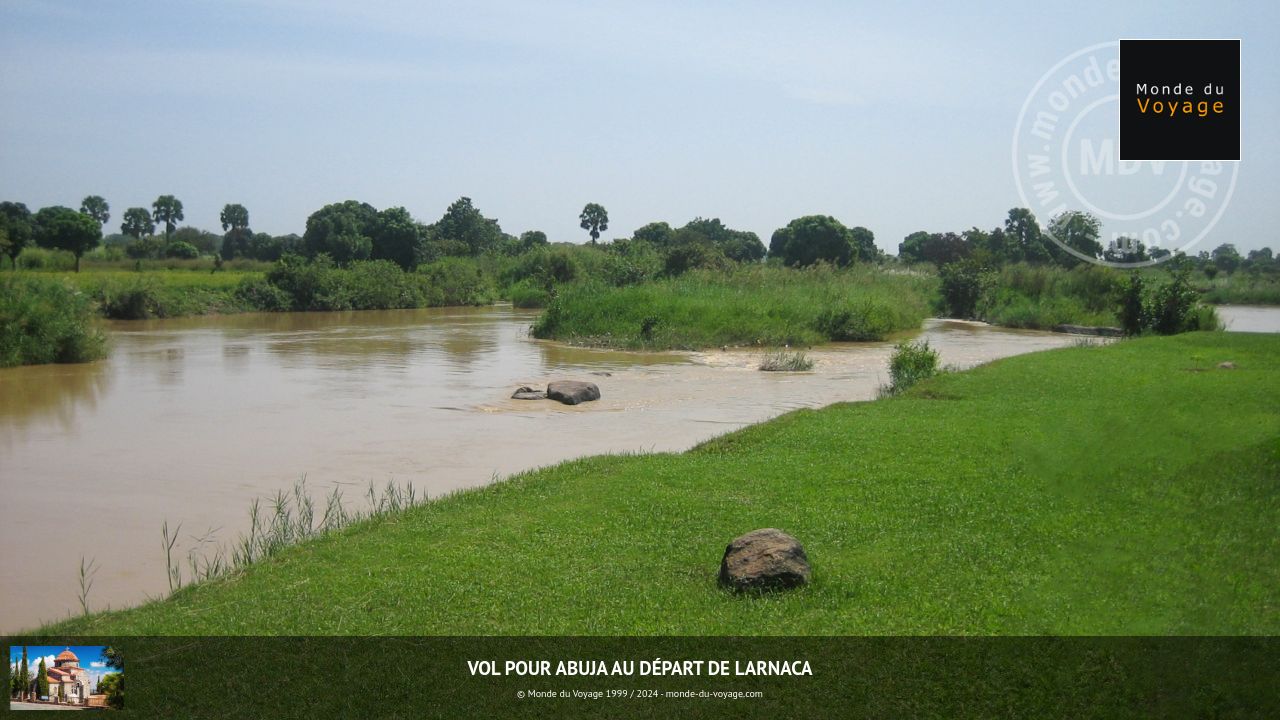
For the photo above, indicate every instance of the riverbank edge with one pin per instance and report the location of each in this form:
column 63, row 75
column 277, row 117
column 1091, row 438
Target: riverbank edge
column 579, row 471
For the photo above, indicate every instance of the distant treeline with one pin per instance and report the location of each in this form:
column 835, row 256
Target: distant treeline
column 351, row 231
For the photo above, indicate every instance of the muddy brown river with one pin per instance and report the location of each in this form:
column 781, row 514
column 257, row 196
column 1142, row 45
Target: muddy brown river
column 190, row 419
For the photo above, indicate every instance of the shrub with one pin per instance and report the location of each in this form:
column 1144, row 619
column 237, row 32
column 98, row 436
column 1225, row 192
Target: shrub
column 784, row 361
column 135, row 298
column 381, row 284
column 38, row 258
column 866, row 320
column 255, row 293
column 963, row 284
column 310, row 284
column 529, row 294
column 46, row 321
column 1173, row 305
column 179, row 249
column 1133, row 316
column 911, row 363
column 456, row 281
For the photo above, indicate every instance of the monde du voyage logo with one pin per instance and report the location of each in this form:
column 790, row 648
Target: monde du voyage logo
column 1139, row 135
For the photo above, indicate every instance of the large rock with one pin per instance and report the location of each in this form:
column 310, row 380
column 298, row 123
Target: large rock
column 572, row 392
column 766, row 559
column 528, row 393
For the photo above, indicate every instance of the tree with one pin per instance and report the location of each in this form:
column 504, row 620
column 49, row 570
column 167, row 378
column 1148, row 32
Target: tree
column 167, row 209
column 594, row 219
column 396, row 237
column 464, row 223
column 26, row 673
column 97, row 208
column 738, row 245
column 812, row 238
column 341, row 231
column 64, row 228
column 530, row 239
column 235, row 223
column 1227, row 258
column 42, row 677
column 864, row 244
column 16, row 231
column 1078, row 231
column 137, row 223
column 657, row 234
column 1023, row 239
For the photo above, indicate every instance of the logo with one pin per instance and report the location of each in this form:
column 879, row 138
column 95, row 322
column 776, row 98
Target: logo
column 1066, row 158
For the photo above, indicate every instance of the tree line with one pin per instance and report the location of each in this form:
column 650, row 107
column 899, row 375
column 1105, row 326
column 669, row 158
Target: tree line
column 352, row 230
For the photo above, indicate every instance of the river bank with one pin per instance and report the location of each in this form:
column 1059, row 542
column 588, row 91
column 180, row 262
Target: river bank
column 419, row 396
column 977, row 503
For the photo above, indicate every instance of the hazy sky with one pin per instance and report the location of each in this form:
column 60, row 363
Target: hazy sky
column 894, row 116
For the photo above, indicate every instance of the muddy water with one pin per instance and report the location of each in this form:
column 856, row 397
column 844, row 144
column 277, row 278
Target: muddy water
column 188, row 420
column 1250, row 318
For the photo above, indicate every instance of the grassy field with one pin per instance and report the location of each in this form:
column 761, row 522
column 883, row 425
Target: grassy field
column 761, row 306
column 1126, row 489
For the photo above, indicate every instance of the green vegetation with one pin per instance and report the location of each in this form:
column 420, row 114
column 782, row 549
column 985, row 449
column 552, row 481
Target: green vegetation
column 750, row 305
column 786, row 361
column 1136, row 498
column 911, row 362
column 46, row 321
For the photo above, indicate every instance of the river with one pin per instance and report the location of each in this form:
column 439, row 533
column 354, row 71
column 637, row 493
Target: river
column 190, row 419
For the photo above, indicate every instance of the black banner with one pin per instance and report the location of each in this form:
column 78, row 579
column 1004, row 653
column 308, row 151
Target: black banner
column 440, row 677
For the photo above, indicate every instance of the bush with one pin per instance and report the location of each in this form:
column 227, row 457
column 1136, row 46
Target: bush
column 256, row 293
column 963, row 284
column 529, row 294
column 911, row 363
column 867, row 320
column 1174, row 306
column 381, row 284
column 135, row 298
column 1133, row 316
column 46, row 321
column 38, row 258
column 456, row 281
column 179, row 249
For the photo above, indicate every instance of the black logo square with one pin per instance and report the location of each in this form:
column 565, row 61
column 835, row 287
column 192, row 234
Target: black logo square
column 1179, row 99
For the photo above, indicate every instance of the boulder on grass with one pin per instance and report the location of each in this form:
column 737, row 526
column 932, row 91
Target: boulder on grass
column 572, row 392
column 766, row 559
column 528, row 393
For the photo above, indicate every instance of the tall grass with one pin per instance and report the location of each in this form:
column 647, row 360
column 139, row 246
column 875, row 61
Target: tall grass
column 749, row 305
column 1043, row 296
column 44, row 320
column 281, row 521
column 786, row 361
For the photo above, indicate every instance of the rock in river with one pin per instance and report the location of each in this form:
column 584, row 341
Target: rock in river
column 528, row 393
column 766, row 559
column 572, row 392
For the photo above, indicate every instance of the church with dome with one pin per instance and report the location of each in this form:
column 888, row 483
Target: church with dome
column 67, row 679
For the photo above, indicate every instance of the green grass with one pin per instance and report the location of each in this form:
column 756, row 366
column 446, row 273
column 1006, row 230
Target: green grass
column 46, row 321
column 1041, row 297
column 750, row 305
column 1125, row 489
column 162, row 293
column 1242, row 289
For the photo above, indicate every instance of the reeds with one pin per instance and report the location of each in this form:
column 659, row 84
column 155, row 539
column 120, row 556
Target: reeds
column 786, row 361
column 284, row 520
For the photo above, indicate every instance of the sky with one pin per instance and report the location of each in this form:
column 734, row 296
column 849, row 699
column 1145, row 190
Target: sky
column 895, row 116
